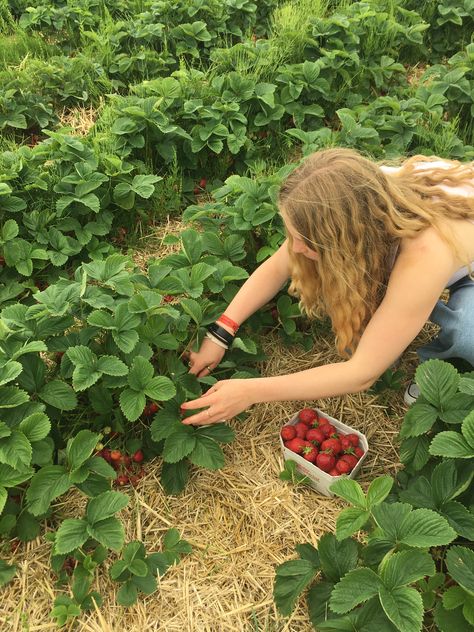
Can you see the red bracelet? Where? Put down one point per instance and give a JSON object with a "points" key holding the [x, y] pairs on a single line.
{"points": [[229, 322]]}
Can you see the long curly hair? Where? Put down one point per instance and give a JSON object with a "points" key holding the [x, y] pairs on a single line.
{"points": [[353, 215]]}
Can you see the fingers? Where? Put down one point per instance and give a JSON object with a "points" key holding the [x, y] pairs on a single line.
{"points": [[204, 418]]}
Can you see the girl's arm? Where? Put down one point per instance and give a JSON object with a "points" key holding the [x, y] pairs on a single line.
{"points": [[417, 280]]}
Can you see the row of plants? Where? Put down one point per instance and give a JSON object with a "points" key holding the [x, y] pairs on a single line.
{"points": [[401, 558]]}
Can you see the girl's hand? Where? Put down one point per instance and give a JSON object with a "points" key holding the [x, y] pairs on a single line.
{"points": [[202, 362], [223, 401]]}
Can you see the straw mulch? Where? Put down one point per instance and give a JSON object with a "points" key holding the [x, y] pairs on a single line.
{"points": [[242, 521]]}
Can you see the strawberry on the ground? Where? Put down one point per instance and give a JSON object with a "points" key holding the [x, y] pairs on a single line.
{"points": [[310, 453], [328, 429], [334, 472], [343, 467], [325, 461], [301, 429], [288, 432], [354, 439], [122, 480], [297, 444], [115, 455], [351, 459], [138, 456], [315, 436], [307, 415], [333, 445]]}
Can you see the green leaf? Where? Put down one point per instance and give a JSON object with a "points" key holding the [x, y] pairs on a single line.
{"points": [[453, 597], [418, 420], [126, 340], [47, 484], [138, 568], [459, 518], [218, 432], [7, 572], [451, 445], [36, 426], [207, 453], [357, 586], [349, 521], [337, 558], [460, 565], [451, 620], [109, 532], [415, 452], [71, 534], [111, 365], [425, 528], [468, 429], [438, 381], [174, 476], [59, 395], [406, 567], [404, 607], [160, 388], [11, 397], [192, 308], [105, 505], [179, 444], [141, 372], [351, 491], [291, 579], [10, 371], [378, 490], [3, 498], [83, 378], [127, 594], [132, 403], [81, 447], [16, 450]]}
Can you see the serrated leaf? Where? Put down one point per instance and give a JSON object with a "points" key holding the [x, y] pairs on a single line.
{"points": [[406, 567], [160, 388], [425, 528], [59, 395], [404, 607], [438, 381], [337, 558], [357, 586], [291, 579], [109, 532], [452, 445], [111, 365], [105, 505], [207, 453], [460, 565], [81, 447], [132, 403], [174, 476], [179, 444], [349, 521], [351, 491], [36, 426], [47, 484], [71, 535], [11, 397], [16, 450], [378, 490], [7, 572]]}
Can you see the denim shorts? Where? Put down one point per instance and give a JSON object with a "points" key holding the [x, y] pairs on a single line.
{"points": [[456, 319]]}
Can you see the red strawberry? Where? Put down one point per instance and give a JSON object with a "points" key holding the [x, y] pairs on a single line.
{"points": [[345, 443], [301, 429], [351, 459], [310, 453], [328, 429], [332, 445], [334, 472], [287, 433], [197, 190], [115, 455], [297, 444], [315, 436], [359, 452], [106, 454], [138, 456], [343, 467], [122, 480], [203, 183], [167, 298], [354, 439], [325, 461], [307, 416], [153, 408]]}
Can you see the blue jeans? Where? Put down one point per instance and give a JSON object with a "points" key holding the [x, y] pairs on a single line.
{"points": [[456, 319]]}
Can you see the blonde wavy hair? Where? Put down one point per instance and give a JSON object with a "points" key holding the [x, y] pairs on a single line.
{"points": [[353, 215]]}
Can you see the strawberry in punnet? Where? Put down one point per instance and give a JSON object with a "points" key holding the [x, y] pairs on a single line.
{"points": [[345, 442], [358, 452], [301, 429], [328, 430], [307, 416], [343, 467], [297, 444], [287, 433], [331, 445], [354, 439], [334, 472], [315, 436], [310, 453], [325, 461], [351, 459]]}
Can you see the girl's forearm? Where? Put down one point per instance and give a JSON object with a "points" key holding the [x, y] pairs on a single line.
{"points": [[325, 381]]}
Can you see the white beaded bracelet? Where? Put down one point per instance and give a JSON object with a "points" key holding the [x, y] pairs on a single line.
{"points": [[214, 339]]}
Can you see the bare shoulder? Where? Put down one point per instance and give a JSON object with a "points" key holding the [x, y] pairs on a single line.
{"points": [[427, 244]]}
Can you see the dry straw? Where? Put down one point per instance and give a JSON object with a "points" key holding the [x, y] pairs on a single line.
{"points": [[242, 521]]}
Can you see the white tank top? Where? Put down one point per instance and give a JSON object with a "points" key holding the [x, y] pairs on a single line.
{"points": [[466, 190]]}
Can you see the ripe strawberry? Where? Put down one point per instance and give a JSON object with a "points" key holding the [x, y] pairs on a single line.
{"points": [[354, 439], [106, 454], [315, 436], [301, 429], [334, 472], [203, 183], [310, 453], [307, 416], [153, 407], [328, 429], [197, 190], [332, 445], [122, 480], [345, 442], [297, 444], [359, 452], [351, 459], [138, 456], [115, 455], [325, 461], [167, 298], [343, 467], [287, 433]]}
